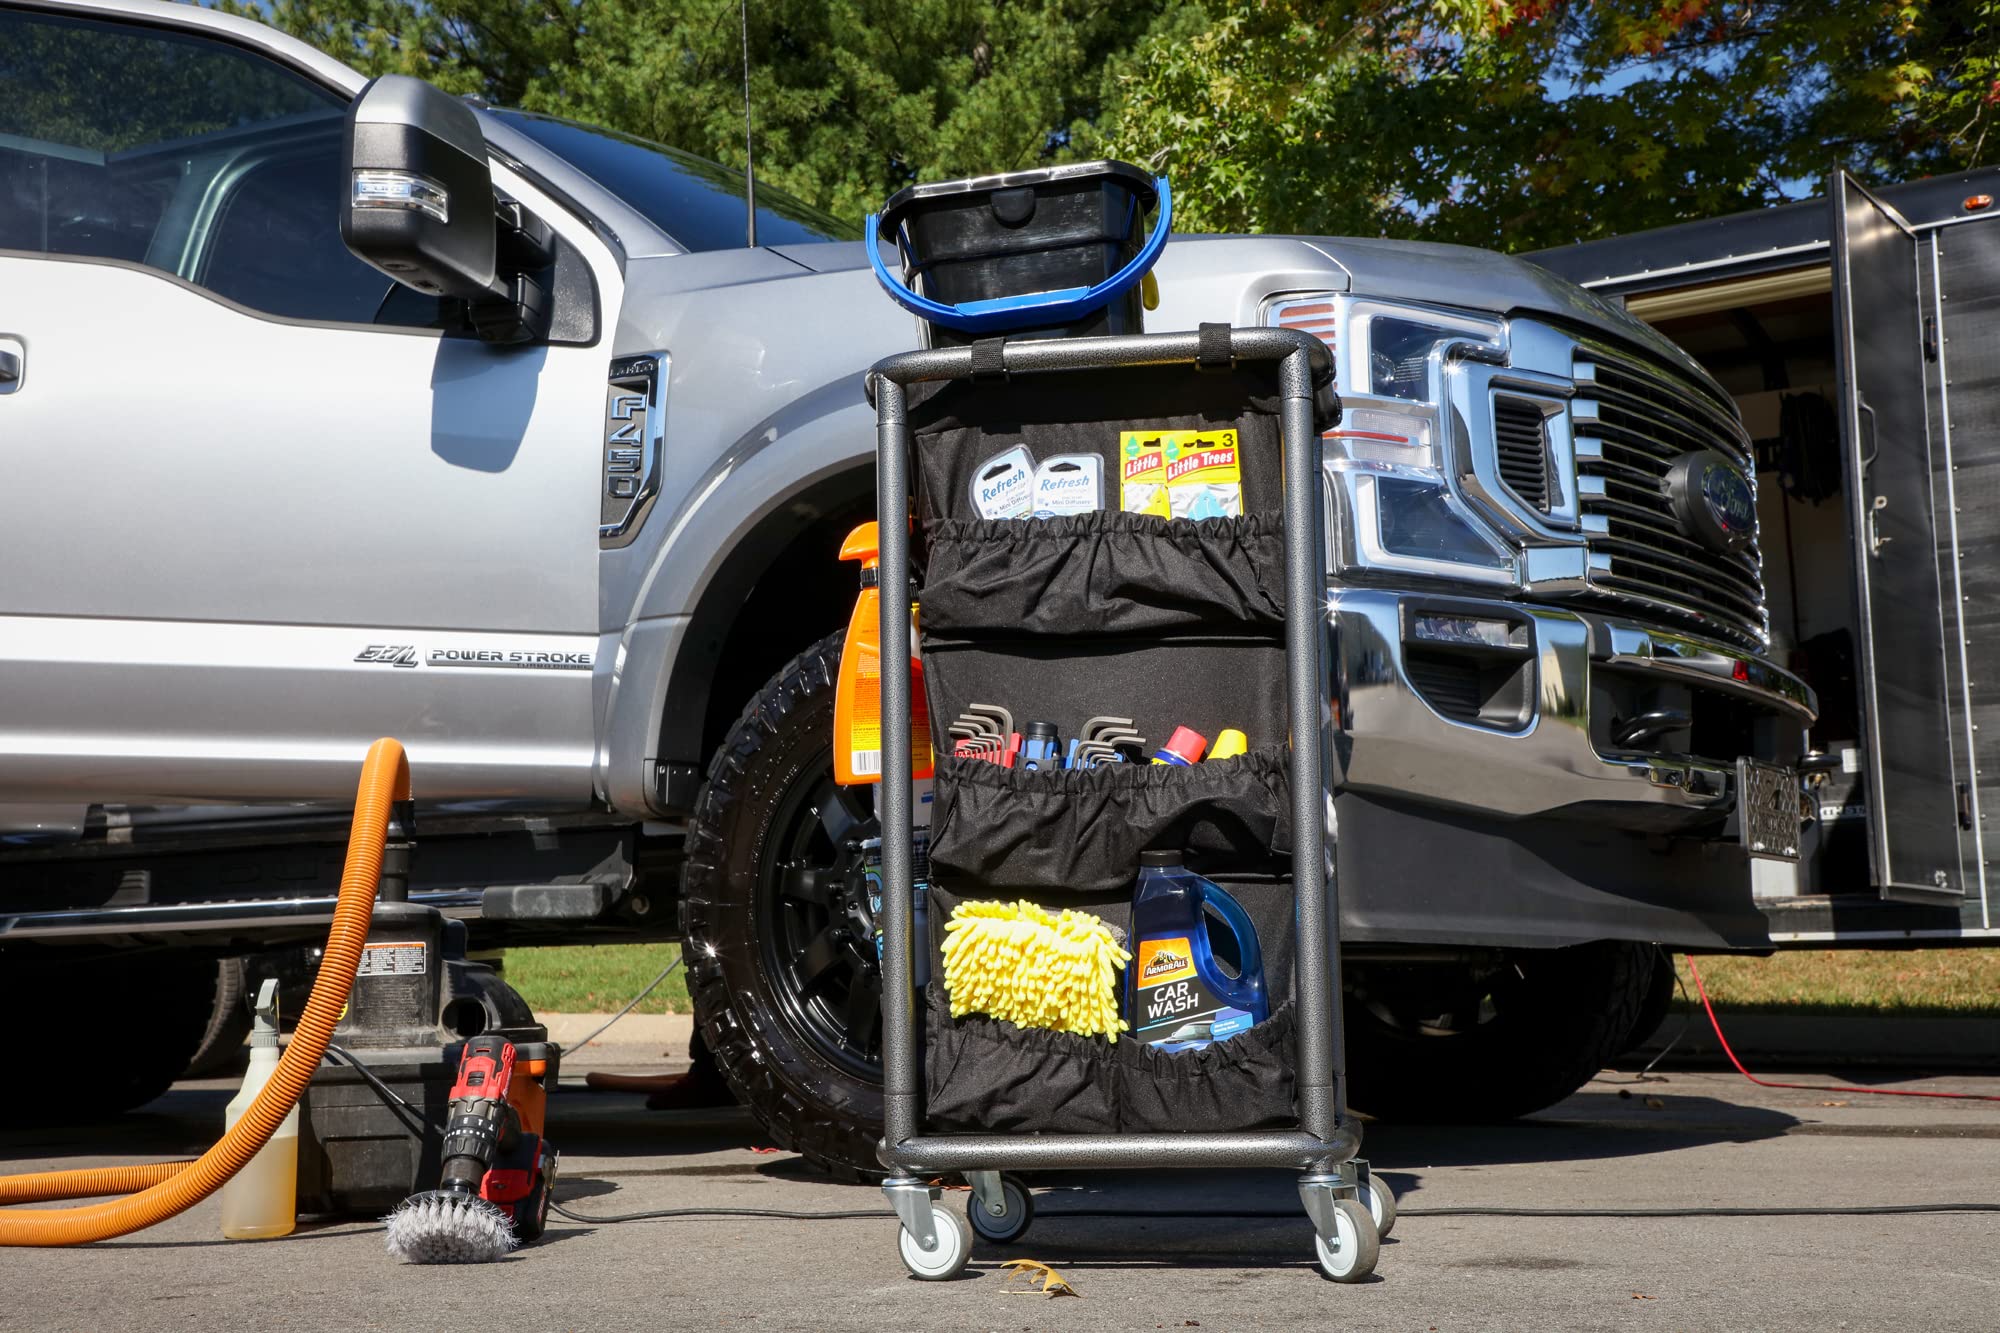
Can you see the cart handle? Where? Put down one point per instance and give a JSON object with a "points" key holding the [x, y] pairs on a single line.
{"points": [[1000, 313]]}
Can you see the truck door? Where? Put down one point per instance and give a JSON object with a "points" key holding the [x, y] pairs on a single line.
{"points": [[257, 505], [1891, 462]]}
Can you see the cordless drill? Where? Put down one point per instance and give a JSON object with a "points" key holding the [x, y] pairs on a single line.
{"points": [[493, 1191], [493, 1144]]}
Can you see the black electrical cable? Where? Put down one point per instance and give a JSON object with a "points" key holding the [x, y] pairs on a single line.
{"points": [[851, 1214], [878, 1214], [778, 1214], [421, 1129], [630, 1005], [1858, 1210]]}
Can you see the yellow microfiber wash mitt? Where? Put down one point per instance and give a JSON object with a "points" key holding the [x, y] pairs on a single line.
{"points": [[1020, 962]]}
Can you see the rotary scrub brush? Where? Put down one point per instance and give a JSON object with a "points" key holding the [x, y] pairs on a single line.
{"points": [[437, 1227], [494, 1190]]}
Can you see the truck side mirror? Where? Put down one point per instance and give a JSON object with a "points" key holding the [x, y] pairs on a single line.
{"points": [[420, 195]]}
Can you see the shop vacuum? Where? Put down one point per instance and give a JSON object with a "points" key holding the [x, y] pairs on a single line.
{"points": [[424, 1037]]}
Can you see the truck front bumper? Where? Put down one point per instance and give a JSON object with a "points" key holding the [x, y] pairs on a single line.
{"points": [[1527, 774]]}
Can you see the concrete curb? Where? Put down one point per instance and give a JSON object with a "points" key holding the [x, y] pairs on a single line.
{"points": [[1830, 1041]]}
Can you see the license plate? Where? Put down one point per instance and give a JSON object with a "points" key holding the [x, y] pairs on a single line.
{"points": [[1767, 809]]}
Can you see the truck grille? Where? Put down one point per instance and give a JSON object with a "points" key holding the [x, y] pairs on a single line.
{"points": [[1521, 443], [1632, 419]]}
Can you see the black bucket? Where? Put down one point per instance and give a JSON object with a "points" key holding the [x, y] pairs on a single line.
{"points": [[1056, 252]]}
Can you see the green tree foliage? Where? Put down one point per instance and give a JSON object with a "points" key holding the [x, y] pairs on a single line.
{"points": [[853, 99], [1514, 123], [55, 75], [1520, 123]]}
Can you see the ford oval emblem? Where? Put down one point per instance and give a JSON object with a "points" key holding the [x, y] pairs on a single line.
{"points": [[1713, 500]]}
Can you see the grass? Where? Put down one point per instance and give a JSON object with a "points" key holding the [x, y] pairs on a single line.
{"points": [[1850, 981], [597, 978], [601, 978]]}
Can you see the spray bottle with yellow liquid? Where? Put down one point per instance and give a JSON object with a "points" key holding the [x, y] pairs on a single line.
{"points": [[262, 1200]]}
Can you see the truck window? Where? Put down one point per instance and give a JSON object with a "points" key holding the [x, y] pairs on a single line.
{"points": [[691, 199], [185, 155]]}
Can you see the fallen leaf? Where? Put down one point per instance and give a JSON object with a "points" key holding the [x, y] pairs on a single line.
{"points": [[1655, 1104], [1052, 1282], [1641, 1296], [1833, 1103], [763, 1150]]}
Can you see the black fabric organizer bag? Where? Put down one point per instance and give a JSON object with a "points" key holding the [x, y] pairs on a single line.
{"points": [[1166, 621]]}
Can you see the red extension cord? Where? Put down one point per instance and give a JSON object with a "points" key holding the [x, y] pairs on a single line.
{"points": [[1715, 1023]]}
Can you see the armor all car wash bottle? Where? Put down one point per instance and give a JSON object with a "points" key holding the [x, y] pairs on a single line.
{"points": [[1179, 996]]}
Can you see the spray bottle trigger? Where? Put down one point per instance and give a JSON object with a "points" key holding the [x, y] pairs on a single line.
{"points": [[863, 544], [264, 1029]]}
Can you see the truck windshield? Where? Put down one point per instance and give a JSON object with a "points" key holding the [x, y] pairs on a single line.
{"points": [[693, 200]]}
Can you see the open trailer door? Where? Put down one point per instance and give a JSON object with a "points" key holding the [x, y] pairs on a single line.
{"points": [[1914, 805]]}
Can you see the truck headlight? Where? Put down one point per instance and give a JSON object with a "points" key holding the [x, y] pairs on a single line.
{"points": [[1393, 506]]}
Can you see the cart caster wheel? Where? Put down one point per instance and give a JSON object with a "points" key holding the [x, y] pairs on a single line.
{"points": [[1380, 1201], [1356, 1247], [947, 1258], [1011, 1225]]}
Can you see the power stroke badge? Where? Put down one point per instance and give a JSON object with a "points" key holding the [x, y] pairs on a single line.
{"points": [[517, 659], [504, 659]]}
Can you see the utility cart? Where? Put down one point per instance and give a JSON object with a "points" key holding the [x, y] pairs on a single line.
{"points": [[1213, 621]]}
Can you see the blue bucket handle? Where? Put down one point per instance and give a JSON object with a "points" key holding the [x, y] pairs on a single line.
{"points": [[1248, 951], [1000, 313]]}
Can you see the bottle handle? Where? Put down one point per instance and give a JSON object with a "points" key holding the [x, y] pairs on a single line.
{"points": [[1238, 921]]}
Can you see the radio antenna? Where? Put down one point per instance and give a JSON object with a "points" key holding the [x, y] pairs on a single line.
{"points": [[749, 163]]}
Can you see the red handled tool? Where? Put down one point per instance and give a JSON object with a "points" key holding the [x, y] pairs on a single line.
{"points": [[493, 1191]]}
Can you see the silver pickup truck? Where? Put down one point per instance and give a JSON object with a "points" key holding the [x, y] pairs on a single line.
{"points": [[267, 496]]}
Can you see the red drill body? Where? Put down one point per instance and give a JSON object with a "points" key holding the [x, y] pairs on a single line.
{"points": [[493, 1144]]}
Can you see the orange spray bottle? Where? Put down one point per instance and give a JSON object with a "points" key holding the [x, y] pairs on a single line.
{"points": [[857, 697]]}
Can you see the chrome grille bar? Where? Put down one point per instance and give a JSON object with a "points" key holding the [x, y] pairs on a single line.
{"points": [[1632, 420]]}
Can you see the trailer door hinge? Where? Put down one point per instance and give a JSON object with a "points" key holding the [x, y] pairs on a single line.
{"points": [[1930, 338]]}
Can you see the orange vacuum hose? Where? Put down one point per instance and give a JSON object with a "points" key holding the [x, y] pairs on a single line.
{"points": [[167, 1188]]}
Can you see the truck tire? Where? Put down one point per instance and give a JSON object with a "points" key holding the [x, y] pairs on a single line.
{"points": [[779, 936], [1431, 1042], [1659, 1002], [229, 1022], [119, 1031]]}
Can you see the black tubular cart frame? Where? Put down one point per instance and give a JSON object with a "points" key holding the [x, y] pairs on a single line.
{"points": [[1325, 1143]]}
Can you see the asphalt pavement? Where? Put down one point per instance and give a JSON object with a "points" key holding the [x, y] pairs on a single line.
{"points": [[1695, 1139]]}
